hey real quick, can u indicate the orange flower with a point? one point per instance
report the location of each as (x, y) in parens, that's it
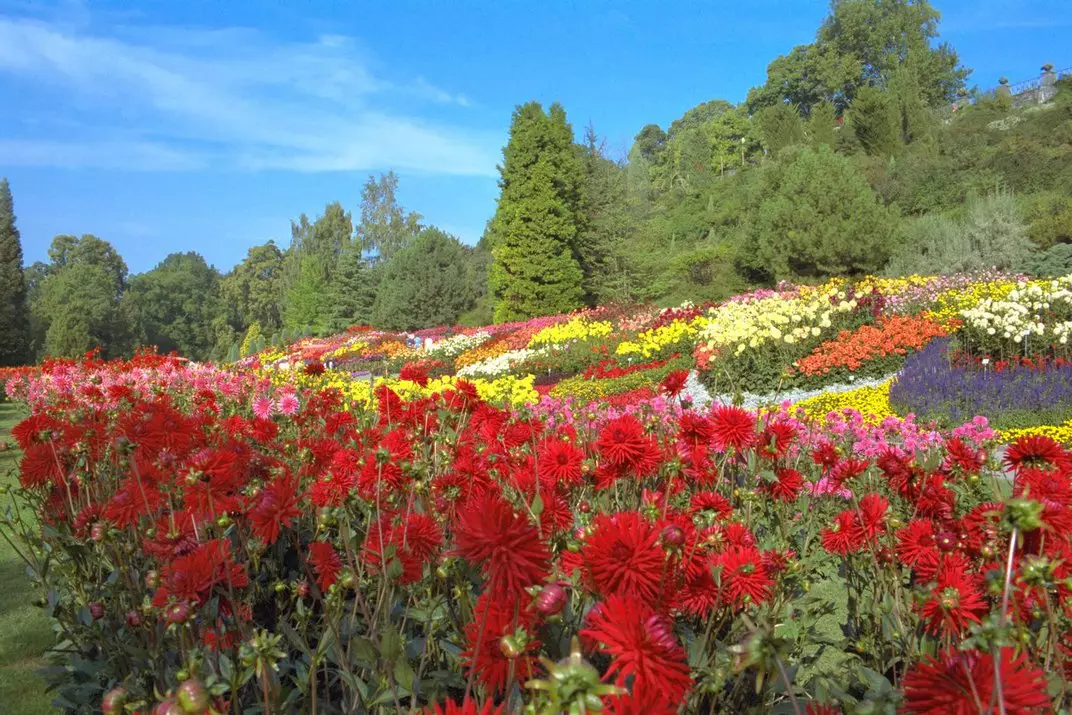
(893, 335)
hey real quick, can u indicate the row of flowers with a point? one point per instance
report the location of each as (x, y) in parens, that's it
(218, 542)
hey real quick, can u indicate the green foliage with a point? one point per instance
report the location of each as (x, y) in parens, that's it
(253, 289)
(780, 126)
(424, 284)
(76, 300)
(875, 121)
(1049, 217)
(534, 233)
(14, 310)
(309, 267)
(862, 43)
(1054, 262)
(817, 217)
(385, 226)
(822, 125)
(990, 235)
(83, 312)
(353, 289)
(174, 305)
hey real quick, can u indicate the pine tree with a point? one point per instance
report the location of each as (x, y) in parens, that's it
(876, 120)
(534, 234)
(14, 315)
(353, 289)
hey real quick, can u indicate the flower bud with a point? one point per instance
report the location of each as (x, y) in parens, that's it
(152, 579)
(113, 701)
(168, 707)
(133, 619)
(96, 610)
(673, 537)
(97, 532)
(510, 647)
(193, 697)
(551, 600)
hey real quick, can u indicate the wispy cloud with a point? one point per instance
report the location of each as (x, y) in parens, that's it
(151, 98)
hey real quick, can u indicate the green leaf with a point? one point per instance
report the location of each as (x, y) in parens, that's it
(390, 645)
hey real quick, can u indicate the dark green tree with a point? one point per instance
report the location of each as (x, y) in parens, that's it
(309, 267)
(424, 284)
(861, 43)
(538, 219)
(87, 249)
(780, 126)
(822, 124)
(385, 226)
(76, 303)
(353, 289)
(875, 119)
(818, 217)
(175, 305)
(14, 308)
(253, 289)
(83, 312)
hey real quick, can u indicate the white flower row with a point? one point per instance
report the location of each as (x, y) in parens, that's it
(700, 397)
(500, 364)
(455, 345)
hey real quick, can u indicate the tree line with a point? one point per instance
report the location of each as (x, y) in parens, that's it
(388, 268)
(849, 159)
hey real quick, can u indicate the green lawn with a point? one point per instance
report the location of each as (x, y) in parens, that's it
(24, 630)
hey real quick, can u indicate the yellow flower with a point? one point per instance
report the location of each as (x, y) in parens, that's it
(575, 329)
(872, 402)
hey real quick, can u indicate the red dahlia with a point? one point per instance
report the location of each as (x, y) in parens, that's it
(956, 600)
(623, 444)
(959, 682)
(559, 462)
(325, 562)
(507, 546)
(623, 556)
(733, 427)
(744, 577)
(1033, 450)
(494, 619)
(642, 648)
(466, 707)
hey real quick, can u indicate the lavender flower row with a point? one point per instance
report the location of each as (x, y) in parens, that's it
(931, 387)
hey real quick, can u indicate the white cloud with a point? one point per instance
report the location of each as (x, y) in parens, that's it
(231, 98)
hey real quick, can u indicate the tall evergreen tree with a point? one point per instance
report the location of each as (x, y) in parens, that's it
(353, 289)
(534, 233)
(14, 311)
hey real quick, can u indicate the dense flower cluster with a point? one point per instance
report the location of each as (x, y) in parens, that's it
(248, 532)
(544, 516)
(895, 335)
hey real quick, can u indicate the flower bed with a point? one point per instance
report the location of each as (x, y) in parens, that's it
(934, 388)
(294, 534)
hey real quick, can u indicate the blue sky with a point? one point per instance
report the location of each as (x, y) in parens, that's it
(207, 125)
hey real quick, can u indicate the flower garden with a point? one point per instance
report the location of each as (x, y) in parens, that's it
(853, 497)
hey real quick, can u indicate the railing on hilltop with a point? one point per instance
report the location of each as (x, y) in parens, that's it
(1031, 91)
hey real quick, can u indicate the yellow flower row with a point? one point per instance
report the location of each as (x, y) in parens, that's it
(574, 329)
(1059, 433)
(872, 402)
(654, 341)
(508, 389)
(949, 304)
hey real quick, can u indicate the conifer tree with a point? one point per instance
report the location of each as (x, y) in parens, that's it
(14, 316)
(537, 224)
